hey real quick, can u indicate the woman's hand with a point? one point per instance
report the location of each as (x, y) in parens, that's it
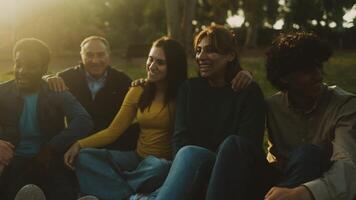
(241, 80)
(138, 82)
(71, 154)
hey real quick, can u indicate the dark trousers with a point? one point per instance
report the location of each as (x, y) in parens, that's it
(55, 180)
(241, 170)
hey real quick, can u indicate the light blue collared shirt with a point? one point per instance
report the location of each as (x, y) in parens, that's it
(95, 84)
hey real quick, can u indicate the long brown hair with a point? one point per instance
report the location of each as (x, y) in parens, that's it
(224, 42)
(176, 61)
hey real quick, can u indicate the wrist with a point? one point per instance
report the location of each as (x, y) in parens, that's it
(304, 193)
(79, 146)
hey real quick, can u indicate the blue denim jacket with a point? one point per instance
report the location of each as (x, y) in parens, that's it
(62, 119)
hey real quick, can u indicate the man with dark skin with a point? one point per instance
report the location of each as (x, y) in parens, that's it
(37, 126)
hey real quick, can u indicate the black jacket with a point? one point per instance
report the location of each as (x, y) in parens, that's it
(107, 101)
(106, 104)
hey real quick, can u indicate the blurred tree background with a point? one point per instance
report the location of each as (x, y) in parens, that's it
(64, 23)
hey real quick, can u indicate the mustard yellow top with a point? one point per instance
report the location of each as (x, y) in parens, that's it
(155, 124)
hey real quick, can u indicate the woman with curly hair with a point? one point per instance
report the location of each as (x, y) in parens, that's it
(311, 128)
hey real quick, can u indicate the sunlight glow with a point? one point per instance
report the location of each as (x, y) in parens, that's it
(279, 24)
(7, 12)
(12, 10)
(323, 23)
(296, 26)
(332, 24)
(282, 2)
(268, 25)
(349, 17)
(314, 22)
(236, 21)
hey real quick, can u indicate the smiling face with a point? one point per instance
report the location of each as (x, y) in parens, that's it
(29, 69)
(211, 64)
(95, 58)
(156, 65)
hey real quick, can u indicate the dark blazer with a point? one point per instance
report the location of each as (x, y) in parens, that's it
(107, 101)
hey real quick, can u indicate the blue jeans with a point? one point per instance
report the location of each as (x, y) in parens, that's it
(242, 172)
(189, 174)
(115, 175)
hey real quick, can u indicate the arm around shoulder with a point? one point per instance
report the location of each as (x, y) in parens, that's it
(252, 125)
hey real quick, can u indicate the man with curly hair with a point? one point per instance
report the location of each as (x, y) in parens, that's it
(312, 133)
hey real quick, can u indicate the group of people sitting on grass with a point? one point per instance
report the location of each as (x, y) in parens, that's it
(87, 133)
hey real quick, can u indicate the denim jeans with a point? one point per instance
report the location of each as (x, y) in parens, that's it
(242, 172)
(189, 174)
(115, 175)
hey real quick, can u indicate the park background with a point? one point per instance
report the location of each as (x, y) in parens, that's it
(132, 25)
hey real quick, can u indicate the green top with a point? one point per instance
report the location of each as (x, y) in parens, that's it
(206, 115)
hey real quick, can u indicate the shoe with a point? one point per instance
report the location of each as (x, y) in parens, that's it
(138, 197)
(88, 197)
(30, 192)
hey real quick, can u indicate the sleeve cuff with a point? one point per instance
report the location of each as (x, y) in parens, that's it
(81, 143)
(318, 189)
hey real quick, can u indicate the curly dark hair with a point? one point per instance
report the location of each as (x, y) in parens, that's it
(36, 46)
(292, 52)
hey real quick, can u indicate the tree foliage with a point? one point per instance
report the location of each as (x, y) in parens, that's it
(64, 23)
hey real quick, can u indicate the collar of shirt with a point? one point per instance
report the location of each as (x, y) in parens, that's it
(313, 108)
(95, 84)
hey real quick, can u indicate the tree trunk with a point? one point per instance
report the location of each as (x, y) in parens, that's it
(253, 10)
(187, 26)
(251, 36)
(180, 14)
(174, 16)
